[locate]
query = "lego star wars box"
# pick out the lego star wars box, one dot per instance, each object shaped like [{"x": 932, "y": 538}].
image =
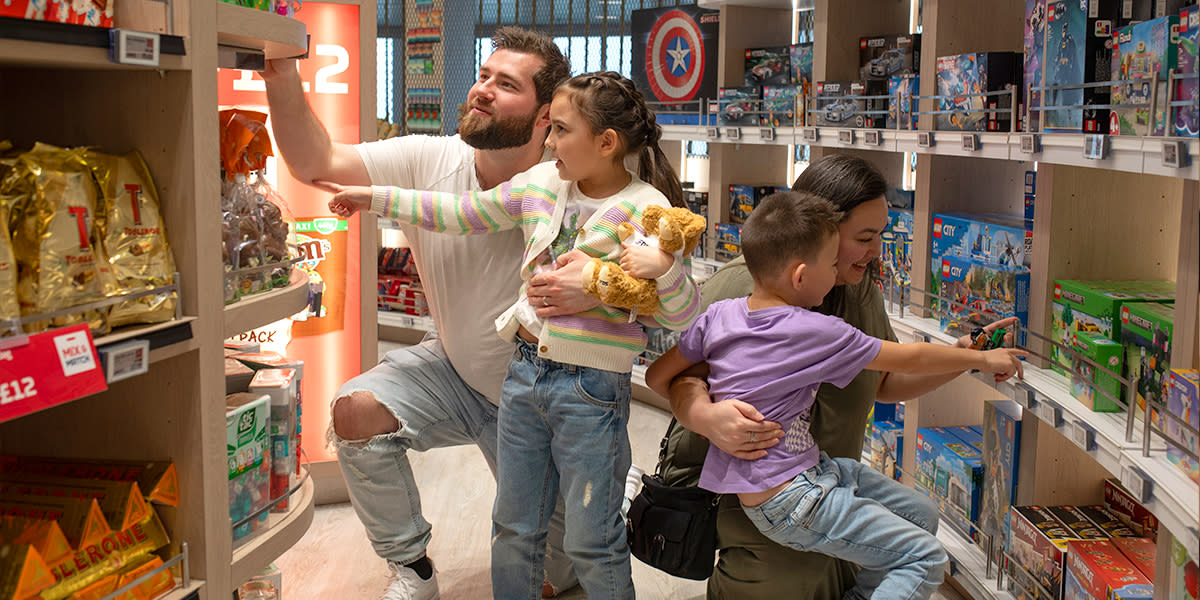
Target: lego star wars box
[
  {"x": 802, "y": 66},
  {"x": 835, "y": 104},
  {"x": 989, "y": 239},
  {"x": 1037, "y": 543},
  {"x": 779, "y": 106},
  {"x": 1183, "y": 401},
  {"x": 883, "y": 56},
  {"x": 740, "y": 105},
  {"x": 676, "y": 64},
  {"x": 1141, "y": 51},
  {"x": 1078, "y": 50},
  {"x": 962, "y": 76},
  {"x": 1034, "y": 51},
  {"x": 1001, "y": 459},
  {"x": 1097, "y": 570},
  {"x": 873, "y": 106},
  {"x": 742, "y": 201},
  {"x": 975, "y": 293},
  {"x": 768, "y": 66},
  {"x": 1187, "y": 91},
  {"x": 1092, "y": 387},
  {"x": 1146, "y": 329},
  {"x": 901, "y": 105}
]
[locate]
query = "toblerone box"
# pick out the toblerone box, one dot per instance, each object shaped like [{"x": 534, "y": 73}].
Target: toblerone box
[
  {"x": 44, "y": 535},
  {"x": 113, "y": 552},
  {"x": 121, "y": 502},
  {"x": 157, "y": 479},
  {"x": 81, "y": 521},
  {"x": 22, "y": 572},
  {"x": 146, "y": 590}
]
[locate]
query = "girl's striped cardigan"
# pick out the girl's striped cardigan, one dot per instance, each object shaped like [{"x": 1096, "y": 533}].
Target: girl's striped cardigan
[{"x": 601, "y": 338}]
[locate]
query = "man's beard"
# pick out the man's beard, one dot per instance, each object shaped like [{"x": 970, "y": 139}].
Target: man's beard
[{"x": 498, "y": 134}]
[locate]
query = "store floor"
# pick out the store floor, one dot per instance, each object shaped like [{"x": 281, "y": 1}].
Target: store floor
[{"x": 335, "y": 560}]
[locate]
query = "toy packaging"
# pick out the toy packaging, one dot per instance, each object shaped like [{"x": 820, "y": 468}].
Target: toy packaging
[
  {"x": 1183, "y": 401},
  {"x": 1078, "y": 50},
  {"x": 1146, "y": 329},
  {"x": 1034, "y": 51},
  {"x": 768, "y": 66},
  {"x": 1107, "y": 521},
  {"x": 1005, "y": 242},
  {"x": 1093, "y": 388},
  {"x": 971, "y": 436},
  {"x": 1142, "y": 50},
  {"x": 762, "y": 191},
  {"x": 728, "y": 240},
  {"x": 697, "y": 202},
  {"x": 1186, "y": 117},
  {"x": 1001, "y": 457},
  {"x": 1140, "y": 552},
  {"x": 742, "y": 201},
  {"x": 1076, "y": 521},
  {"x": 951, "y": 472},
  {"x": 835, "y": 106},
  {"x": 901, "y": 106},
  {"x": 678, "y": 66},
  {"x": 1037, "y": 543},
  {"x": 1094, "y": 306},
  {"x": 872, "y": 110},
  {"x": 979, "y": 293},
  {"x": 247, "y": 450},
  {"x": 896, "y": 260},
  {"x": 1185, "y": 577},
  {"x": 1129, "y": 510},
  {"x": 802, "y": 66},
  {"x": 779, "y": 106},
  {"x": 740, "y": 105},
  {"x": 888, "y": 411},
  {"x": 884, "y": 56},
  {"x": 977, "y": 73},
  {"x": 885, "y": 452},
  {"x": 1096, "y": 570},
  {"x": 1030, "y": 193},
  {"x": 1136, "y": 11}
]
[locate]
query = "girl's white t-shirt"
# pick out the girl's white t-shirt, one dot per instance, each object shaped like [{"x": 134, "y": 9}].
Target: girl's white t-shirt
[{"x": 468, "y": 280}]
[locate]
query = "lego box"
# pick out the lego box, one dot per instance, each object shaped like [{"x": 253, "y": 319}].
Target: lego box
[
  {"x": 1129, "y": 510},
  {"x": 678, "y": 66},
  {"x": 977, "y": 73},
  {"x": 1140, "y": 552},
  {"x": 872, "y": 110},
  {"x": 1187, "y": 91},
  {"x": 835, "y": 105},
  {"x": 1089, "y": 306},
  {"x": 1142, "y": 50},
  {"x": 768, "y": 66},
  {"x": 981, "y": 238},
  {"x": 896, "y": 260},
  {"x": 1146, "y": 329},
  {"x": 886, "y": 448},
  {"x": 901, "y": 106},
  {"x": 1107, "y": 521},
  {"x": 1001, "y": 459},
  {"x": 740, "y": 105},
  {"x": 742, "y": 201},
  {"x": 1034, "y": 51},
  {"x": 779, "y": 106},
  {"x": 1078, "y": 50},
  {"x": 951, "y": 471},
  {"x": 979, "y": 294},
  {"x": 884, "y": 56},
  {"x": 1088, "y": 384},
  {"x": 1037, "y": 543},
  {"x": 697, "y": 202},
  {"x": 802, "y": 66},
  {"x": 1096, "y": 570},
  {"x": 1183, "y": 401},
  {"x": 1076, "y": 521}
]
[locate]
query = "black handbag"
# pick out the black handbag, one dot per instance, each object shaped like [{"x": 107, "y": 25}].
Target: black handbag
[{"x": 674, "y": 528}]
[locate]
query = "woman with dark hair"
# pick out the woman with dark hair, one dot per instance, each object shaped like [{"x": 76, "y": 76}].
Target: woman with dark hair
[{"x": 751, "y": 566}]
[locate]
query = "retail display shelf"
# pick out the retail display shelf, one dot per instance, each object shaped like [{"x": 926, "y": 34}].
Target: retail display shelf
[
  {"x": 184, "y": 593},
  {"x": 167, "y": 339},
  {"x": 283, "y": 531},
  {"x": 968, "y": 566},
  {"x": 44, "y": 44},
  {"x": 405, "y": 321},
  {"x": 275, "y": 35},
  {"x": 1130, "y": 154},
  {"x": 254, "y": 311}
]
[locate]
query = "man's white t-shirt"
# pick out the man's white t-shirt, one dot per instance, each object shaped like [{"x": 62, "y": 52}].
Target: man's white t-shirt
[{"x": 468, "y": 280}]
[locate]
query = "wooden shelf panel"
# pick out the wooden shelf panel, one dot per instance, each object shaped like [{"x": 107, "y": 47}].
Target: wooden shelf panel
[
  {"x": 251, "y": 312},
  {"x": 277, "y": 36},
  {"x": 43, "y": 44},
  {"x": 968, "y": 566},
  {"x": 283, "y": 531}
]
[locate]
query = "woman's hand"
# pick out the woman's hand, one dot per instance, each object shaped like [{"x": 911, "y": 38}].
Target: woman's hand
[
  {"x": 737, "y": 428},
  {"x": 645, "y": 262},
  {"x": 346, "y": 200}
]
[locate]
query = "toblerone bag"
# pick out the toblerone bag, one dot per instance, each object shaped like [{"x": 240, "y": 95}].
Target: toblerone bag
[
  {"x": 22, "y": 572},
  {"x": 158, "y": 480},
  {"x": 43, "y": 534},
  {"x": 81, "y": 521},
  {"x": 9, "y": 307},
  {"x": 121, "y": 502}
]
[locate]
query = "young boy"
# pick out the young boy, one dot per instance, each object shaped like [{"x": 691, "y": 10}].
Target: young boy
[{"x": 769, "y": 350}]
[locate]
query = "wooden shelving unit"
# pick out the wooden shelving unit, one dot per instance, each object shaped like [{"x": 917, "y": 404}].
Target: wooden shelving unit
[
  {"x": 253, "y": 311},
  {"x": 283, "y": 531}
]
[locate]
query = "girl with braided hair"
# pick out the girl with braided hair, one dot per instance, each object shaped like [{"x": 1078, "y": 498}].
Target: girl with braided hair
[{"x": 565, "y": 401}]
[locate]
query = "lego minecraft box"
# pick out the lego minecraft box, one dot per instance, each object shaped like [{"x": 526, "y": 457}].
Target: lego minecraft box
[
  {"x": 1094, "y": 388},
  {"x": 1142, "y": 50},
  {"x": 883, "y": 56},
  {"x": 1078, "y": 50},
  {"x": 975, "y": 293},
  {"x": 1146, "y": 334},
  {"x": 962, "y": 77},
  {"x": 1094, "y": 306},
  {"x": 676, "y": 66},
  {"x": 768, "y": 66}
]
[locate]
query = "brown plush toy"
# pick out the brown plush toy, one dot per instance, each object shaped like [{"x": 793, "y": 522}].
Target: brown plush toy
[{"x": 676, "y": 230}]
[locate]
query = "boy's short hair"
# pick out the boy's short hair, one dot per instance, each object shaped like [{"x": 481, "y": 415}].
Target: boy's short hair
[
  {"x": 785, "y": 227},
  {"x": 555, "y": 68}
]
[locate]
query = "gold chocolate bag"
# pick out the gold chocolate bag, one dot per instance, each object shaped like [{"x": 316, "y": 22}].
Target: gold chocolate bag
[
  {"x": 9, "y": 307},
  {"x": 134, "y": 240}
]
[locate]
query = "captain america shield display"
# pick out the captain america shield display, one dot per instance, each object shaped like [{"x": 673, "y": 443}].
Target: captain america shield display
[{"x": 678, "y": 50}]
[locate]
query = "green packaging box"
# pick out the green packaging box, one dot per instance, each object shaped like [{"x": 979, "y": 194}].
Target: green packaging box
[
  {"x": 1086, "y": 380},
  {"x": 1146, "y": 333}
]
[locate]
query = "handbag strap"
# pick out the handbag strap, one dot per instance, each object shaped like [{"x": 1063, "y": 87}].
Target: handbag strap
[{"x": 662, "y": 449}]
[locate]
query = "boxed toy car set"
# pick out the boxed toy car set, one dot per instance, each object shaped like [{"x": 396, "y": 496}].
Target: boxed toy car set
[
  {"x": 883, "y": 56},
  {"x": 768, "y": 66}
]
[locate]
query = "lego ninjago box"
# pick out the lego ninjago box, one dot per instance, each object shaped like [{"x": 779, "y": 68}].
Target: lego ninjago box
[
  {"x": 1078, "y": 50},
  {"x": 675, "y": 64},
  {"x": 884, "y": 56},
  {"x": 963, "y": 78}
]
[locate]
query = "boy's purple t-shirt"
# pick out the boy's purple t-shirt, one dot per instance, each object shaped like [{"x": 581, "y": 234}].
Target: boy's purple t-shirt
[{"x": 775, "y": 359}]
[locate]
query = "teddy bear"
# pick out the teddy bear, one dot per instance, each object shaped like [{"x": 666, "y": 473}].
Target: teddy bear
[{"x": 676, "y": 230}]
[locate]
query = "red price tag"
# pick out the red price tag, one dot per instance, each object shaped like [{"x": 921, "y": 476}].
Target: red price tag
[{"x": 52, "y": 368}]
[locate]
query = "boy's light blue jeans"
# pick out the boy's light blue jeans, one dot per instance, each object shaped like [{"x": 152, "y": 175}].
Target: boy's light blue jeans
[
  {"x": 562, "y": 428},
  {"x": 436, "y": 409},
  {"x": 844, "y": 509}
]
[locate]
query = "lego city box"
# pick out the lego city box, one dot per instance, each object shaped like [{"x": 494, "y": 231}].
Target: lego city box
[
  {"x": 885, "y": 450},
  {"x": 951, "y": 470},
  {"x": 895, "y": 262},
  {"x": 973, "y": 294},
  {"x": 1183, "y": 401},
  {"x": 992, "y": 240},
  {"x": 1146, "y": 334},
  {"x": 1141, "y": 51},
  {"x": 1092, "y": 387},
  {"x": 739, "y": 105},
  {"x": 802, "y": 66},
  {"x": 1187, "y": 116},
  {"x": 676, "y": 64},
  {"x": 884, "y": 56},
  {"x": 1037, "y": 543},
  {"x": 901, "y": 90},
  {"x": 779, "y": 106},
  {"x": 1001, "y": 460},
  {"x": 835, "y": 105},
  {"x": 742, "y": 201},
  {"x": 768, "y": 66},
  {"x": 1032, "y": 65},
  {"x": 962, "y": 77},
  {"x": 1096, "y": 570},
  {"x": 1078, "y": 50}
]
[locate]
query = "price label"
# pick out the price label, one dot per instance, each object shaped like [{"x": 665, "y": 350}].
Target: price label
[
  {"x": 810, "y": 134},
  {"x": 1031, "y": 143},
  {"x": 52, "y": 368},
  {"x": 846, "y": 136},
  {"x": 1024, "y": 395},
  {"x": 970, "y": 142},
  {"x": 1083, "y": 435},
  {"x": 1049, "y": 412},
  {"x": 1095, "y": 146},
  {"x": 1136, "y": 481},
  {"x": 1174, "y": 155},
  {"x": 122, "y": 361},
  {"x": 872, "y": 138},
  {"x": 134, "y": 47},
  {"x": 925, "y": 139},
  {"x": 766, "y": 134},
  {"x": 733, "y": 133},
  {"x": 712, "y": 133}
]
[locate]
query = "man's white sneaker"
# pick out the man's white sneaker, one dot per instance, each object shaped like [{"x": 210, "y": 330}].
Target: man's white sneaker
[{"x": 407, "y": 585}]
